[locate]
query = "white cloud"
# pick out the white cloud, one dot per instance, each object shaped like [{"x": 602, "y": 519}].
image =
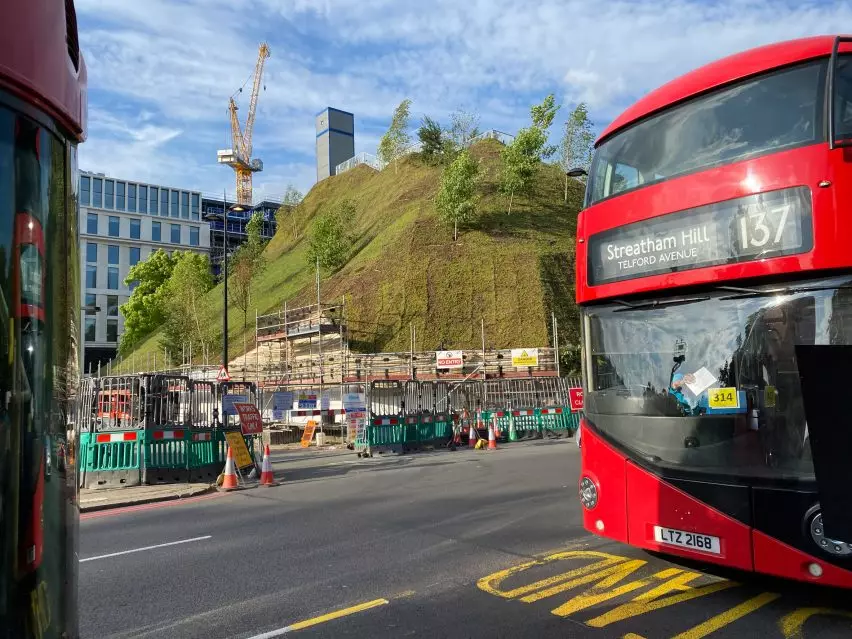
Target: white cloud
[{"x": 161, "y": 71}]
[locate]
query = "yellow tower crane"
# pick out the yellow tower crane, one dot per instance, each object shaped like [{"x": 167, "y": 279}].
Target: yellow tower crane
[{"x": 238, "y": 157}]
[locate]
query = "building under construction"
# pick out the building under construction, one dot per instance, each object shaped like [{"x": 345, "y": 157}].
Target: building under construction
[{"x": 309, "y": 346}]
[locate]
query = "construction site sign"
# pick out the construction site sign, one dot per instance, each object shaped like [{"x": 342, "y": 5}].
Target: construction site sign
[
  {"x": 228, "y": 402},
  {"x": 239, "y": 450},
  {"x": 522, "y": 357},
  {"x": 308, "y": 435},
  {"x": 307, "y": 400},
  {"x": 449, "y": 359},
  {"x": 223, "y": 375},
  {"x": 250, "y": 421},
  {"x": 282, "y": 401},
  {"x": 575, "y": 397}
]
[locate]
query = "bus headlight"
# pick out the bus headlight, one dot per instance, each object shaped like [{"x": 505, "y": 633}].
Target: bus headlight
[{"x": 588, "y": 493}]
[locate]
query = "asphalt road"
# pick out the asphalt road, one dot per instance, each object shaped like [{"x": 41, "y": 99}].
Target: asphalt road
[{"x": 442, "y": 544}]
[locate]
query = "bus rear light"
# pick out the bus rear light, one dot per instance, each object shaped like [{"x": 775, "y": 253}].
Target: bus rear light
[{"x": 589, "y": 495}]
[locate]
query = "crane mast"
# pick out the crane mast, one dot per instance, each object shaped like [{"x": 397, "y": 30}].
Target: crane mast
[{"x": 238, "y": 156}]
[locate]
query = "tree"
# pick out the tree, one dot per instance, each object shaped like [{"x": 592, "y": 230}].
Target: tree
[
  {"x": 464, "y": 127},
  {"x": 186, "y": 320},
  {"x": 577, "y": 144},
  {"x": 330, "y": 241},
  {"x": 292, "y": 198},
  {"x": 432, "y": 141},
  {"x": 145, "y": 311},
  {"x": 456, "y": 199},
  {"x": 523, "y": 156},
  {"x": 396, "y": 140}
]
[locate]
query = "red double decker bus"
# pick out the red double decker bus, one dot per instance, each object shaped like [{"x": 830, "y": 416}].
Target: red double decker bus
[
  {"x": 42, "y": 119},
  {"x": 714, "y": 274}
]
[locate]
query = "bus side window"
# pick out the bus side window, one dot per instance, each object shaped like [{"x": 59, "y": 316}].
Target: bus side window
[
  {"x": 843, "y": 99},
  {"x": 625, "y": 177}
]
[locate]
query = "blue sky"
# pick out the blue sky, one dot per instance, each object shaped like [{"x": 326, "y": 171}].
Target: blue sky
[{"x": 161, "y": 71}]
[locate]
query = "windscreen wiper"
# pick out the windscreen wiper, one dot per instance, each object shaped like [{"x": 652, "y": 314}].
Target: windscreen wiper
[
  {"x": 657, "y": 303},
  {"x": 743, "y": 292}
]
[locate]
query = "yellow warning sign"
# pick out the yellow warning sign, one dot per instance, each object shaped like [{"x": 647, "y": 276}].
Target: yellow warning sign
[
  {"x": 524, "y": 357},
  {"x": 235, "y": 440},
  {"x": 308, "y": 435}
]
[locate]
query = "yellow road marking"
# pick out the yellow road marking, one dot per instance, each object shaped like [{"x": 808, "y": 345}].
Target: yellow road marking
[
  {"x": 337, "y": 614},
  {"x": 791, "y": 624},
  {"x": 598, "y": 593},
  {"x": 607, "y": 578},
  {"x": 729, "y": 616},
  {"x": 632, "y": 635}
]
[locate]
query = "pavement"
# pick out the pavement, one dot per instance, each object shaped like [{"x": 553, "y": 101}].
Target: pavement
[
  {"x": 437, "y": 544},
  {"x": 106, "y": 498}
]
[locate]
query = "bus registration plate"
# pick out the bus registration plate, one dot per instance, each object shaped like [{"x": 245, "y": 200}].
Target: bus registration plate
[{"x": 690, "y": 540}]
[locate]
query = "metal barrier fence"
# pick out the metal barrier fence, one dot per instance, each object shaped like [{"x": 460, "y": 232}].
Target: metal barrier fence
[{"x": 155, "y": 428}]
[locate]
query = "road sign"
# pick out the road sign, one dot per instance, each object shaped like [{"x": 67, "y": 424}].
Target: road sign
[
  {"x": 308, "y": 435},
  {"x": 307, "y": 400},
  {"x": 235, "y": 440},
  {"x": 524, "y": 357},
  {"x": 282, "y": 401},
  {"x": 449, "y": 359},
  {"x": 575, "y": 397},
  {"x": 223, "y": 375},
  {"x": 250, "y": 420},
  {"x": 228, "y": 402}
]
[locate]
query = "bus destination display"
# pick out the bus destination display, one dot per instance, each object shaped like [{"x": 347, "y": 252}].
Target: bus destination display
[{"x": 748, "y": 228}]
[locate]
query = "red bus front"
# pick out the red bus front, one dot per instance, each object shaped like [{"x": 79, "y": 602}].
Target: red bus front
[{"x": 715, "y": 279}]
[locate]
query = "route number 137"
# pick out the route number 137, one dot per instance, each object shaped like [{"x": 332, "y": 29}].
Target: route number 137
[{"x": 756, "y": 226}]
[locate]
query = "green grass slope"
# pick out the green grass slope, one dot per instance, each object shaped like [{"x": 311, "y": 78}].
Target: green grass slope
[{"x": 511, "y": 271}]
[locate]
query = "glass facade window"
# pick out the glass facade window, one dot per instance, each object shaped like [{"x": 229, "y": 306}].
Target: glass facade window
[
  {"x": 184, "y": 205},
  {"x": 174, "y": 211},
  {"x": 175, "y": 238},
  {"x": 193, "y": 236},
  {"x": 133, "y": 285},
  {"x": 91, "y": 252},
  {"x": 156, "y": 235},
  {"x": 143, "y": 199},
  {"x": 92, "y": 224},
  {"x": 153, "y": 200},
  {"x": 112, "y": 255},
  {"x": 120, "y": 188},
  {"x": 131, "y": 198},
  {"x": 196, "y": 206},
  {"x": 164, "y": 202},
  {"x": 109, "y": 194},
  {"x": 85, "y": 190},
  {"x": 112, "y": 306},
  {"x": 91, "y": 304},
  {"x": 97, "y": 192},
  {"x": 112, "y": 331},
  {"x": 135, "y": 229},
  {"x": 135, "y": 255},
  {"x": 114, "y": 226},
  {"x": 91, "y": 326},
  {"x": 112, "y": 278},
  {"x": 91, "y": 276}
]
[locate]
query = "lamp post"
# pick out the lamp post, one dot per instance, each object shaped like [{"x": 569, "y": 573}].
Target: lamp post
[{"x": 236, "y": 208}]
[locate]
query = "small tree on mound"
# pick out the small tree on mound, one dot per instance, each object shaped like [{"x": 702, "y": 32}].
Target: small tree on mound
[
  {"x": 431, "y": 140},
  {"x": 523, "y": 156},
  {"x": 330, "y": 241},
  {"x": 394, "y": 143},
  {"x": 456, "y": 198}
]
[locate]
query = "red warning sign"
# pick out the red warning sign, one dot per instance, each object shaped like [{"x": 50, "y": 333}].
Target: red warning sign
[
  {"x": 250, "y": 420},
  {"x": 223, "y": 375},
  {"x": 575, "y": 396}
]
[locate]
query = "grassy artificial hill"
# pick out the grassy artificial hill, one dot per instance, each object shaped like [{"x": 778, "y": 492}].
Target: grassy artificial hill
[{"x": 510, "y": 270}]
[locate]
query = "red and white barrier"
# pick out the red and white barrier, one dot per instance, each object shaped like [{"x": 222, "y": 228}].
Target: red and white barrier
[
  {"x": 316, "y": 412},
  {"x": 551, "y": 411},
  {"x": 385, "y": 421},
  {"x": 107, "y": 438},
  {"x": 168, "y": 434},
  {"x": 524, "y": 413},
  {"x": 202, "y": 437}
]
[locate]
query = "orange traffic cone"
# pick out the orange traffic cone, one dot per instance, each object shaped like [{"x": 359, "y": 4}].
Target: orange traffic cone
[
  {"x": 266, "y": 476},
  {"x": 229, "y": 478},
  {"x": 492, "y": 440},
  {"x": 471, "y": 435},
  {"x": 496, "y": 427}
]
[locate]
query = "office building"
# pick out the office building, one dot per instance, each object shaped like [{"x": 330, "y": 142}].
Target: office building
[
  {"x": 335, "y": 140},
  {"x": 212, "y": 212},
  {"x": 121, "y": 223}
]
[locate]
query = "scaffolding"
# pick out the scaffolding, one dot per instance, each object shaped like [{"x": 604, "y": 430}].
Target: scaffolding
[{"x": 306, "y": 345}]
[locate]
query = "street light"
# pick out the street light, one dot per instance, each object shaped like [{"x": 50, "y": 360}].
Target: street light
[
  {"x": 576, "y": 172},
  {"x": 236, "y": 208}
]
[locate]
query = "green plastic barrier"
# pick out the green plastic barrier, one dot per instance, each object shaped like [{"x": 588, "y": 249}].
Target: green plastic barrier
[
  {"x": 110, "y": 459},
  {"x": 203, "y": 456},
  {"x": 526, "y": 422},
  {"x": 165, "y": 452}
]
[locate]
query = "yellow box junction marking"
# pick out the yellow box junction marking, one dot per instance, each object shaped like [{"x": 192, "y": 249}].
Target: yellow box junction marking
[
  {"x": 791, "y": 624},
  {"x": 608, "y": 576}
]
